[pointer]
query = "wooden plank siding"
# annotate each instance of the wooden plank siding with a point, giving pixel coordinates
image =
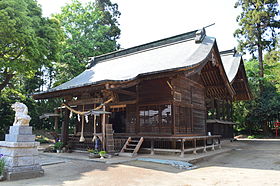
(190, 111)
(154, 91)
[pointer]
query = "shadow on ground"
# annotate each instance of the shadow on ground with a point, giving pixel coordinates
(59, 173)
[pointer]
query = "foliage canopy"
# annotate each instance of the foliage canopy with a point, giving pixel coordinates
(90, 29)
(27, 40)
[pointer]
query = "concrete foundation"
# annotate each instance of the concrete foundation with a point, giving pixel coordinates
(21, 154)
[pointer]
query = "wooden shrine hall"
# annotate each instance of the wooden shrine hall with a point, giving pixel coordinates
(156, 96)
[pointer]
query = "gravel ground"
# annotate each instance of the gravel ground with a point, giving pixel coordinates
(251, 163)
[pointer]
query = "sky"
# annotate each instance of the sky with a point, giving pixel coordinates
(144, 21)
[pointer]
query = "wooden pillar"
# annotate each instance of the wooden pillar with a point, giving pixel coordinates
(223, 110)
(205, 145)
(213, 144)
(137, 125)
(182, 148)
(152, 147)
(194, 146)
(227, 110)
(103, 129)
(56, 121)
(231, 111)
(217, 109)
(65, 125)
(173, 114)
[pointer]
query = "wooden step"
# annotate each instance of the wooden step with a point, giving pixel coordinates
(129, 146)
(134, 141)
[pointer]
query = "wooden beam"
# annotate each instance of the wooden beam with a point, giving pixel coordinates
(117, 106)
(215, 86)
(126, 92)
(85, 101)
(131, 102)
(124, 84)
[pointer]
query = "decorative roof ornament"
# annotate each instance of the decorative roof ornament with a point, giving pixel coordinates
(200, 35)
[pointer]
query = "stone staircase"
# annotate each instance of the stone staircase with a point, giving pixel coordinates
(131, 147)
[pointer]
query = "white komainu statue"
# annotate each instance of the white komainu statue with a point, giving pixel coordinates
(21, 117)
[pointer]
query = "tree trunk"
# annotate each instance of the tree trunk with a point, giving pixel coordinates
(266, 129)
(261, 76)
(260, 59)
(261, 70)
(7, 78)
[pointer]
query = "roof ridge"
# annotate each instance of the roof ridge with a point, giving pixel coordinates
(143, 47)
(228, 52)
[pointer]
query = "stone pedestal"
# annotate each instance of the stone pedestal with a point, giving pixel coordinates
(21, 154)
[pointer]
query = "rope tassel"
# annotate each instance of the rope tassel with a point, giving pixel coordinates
(82, 138)
(79, 118)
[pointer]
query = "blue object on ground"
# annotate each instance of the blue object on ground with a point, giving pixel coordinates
(178, 164)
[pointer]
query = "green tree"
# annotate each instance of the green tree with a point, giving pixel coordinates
(258, 21)
(251, 115)
(27, 40)
(90, 29)
(272, 67)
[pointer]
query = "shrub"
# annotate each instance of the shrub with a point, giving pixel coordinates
(58, 145)
(2, 164)
(251, 137)
(102, 153)
(42, 139)
(93, 151)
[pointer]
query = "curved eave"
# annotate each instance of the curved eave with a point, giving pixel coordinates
(101, 84)
(244, 80)
(224, 75)
(179, 56)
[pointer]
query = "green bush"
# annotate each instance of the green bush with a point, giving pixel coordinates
(93, 151)
(42, 139)
(102, 153)
(2, 164)
(58, 145)
(251, 137)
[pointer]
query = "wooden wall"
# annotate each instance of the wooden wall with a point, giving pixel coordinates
(189, 111)
(164, 106)
(154, 91)
(174, 109)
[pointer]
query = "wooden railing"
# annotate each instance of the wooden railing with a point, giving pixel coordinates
(215, 142)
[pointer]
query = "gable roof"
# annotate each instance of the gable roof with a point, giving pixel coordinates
(231, 64)
(177, 52)
(234, 68)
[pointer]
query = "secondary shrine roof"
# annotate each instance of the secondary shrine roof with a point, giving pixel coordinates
(231, 62)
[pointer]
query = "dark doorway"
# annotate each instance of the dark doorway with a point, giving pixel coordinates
(118, 121)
